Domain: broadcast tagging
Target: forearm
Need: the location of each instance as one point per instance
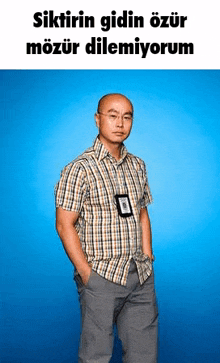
(72, 246)
(146, 232)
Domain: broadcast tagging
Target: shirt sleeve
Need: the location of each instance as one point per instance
(70, 191)
(147, 196)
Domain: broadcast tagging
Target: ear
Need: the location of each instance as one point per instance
(97, 119)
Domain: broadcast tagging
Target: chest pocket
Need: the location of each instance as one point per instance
(136, 188)
(100, 193)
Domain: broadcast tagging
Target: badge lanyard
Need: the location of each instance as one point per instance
(122, 202)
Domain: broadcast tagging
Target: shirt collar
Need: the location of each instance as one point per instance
(101, 152)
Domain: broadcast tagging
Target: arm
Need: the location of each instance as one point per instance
(65, 225)
(146, 232)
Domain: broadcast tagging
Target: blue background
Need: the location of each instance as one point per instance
(47, 119)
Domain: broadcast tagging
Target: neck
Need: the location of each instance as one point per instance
(113, 148)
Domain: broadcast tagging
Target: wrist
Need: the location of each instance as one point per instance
(150, 256)
(85, 275)
(84, 270)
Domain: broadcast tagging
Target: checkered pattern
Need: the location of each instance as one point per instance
(88, 186)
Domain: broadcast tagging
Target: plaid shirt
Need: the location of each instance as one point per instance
(88, 186)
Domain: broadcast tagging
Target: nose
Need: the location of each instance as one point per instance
(120, 121)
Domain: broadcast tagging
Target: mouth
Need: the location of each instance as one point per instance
(118, 133)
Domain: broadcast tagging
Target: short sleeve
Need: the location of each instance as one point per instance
(71, 189)
(147, 196)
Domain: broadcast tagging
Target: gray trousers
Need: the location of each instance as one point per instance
(132, 308)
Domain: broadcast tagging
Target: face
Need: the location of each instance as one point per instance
(114, 119)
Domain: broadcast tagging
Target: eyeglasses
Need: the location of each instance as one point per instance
(114, 116)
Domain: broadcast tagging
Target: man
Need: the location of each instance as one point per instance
(104, 226)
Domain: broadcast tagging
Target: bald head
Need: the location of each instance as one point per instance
(111, 97)
(114, 119)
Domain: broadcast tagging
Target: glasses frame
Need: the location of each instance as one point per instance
(116, 117)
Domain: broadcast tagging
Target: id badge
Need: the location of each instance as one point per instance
(123, 205)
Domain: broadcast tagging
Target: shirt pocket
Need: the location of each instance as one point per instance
(100, 193)
(136, 191)
(99, 215)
